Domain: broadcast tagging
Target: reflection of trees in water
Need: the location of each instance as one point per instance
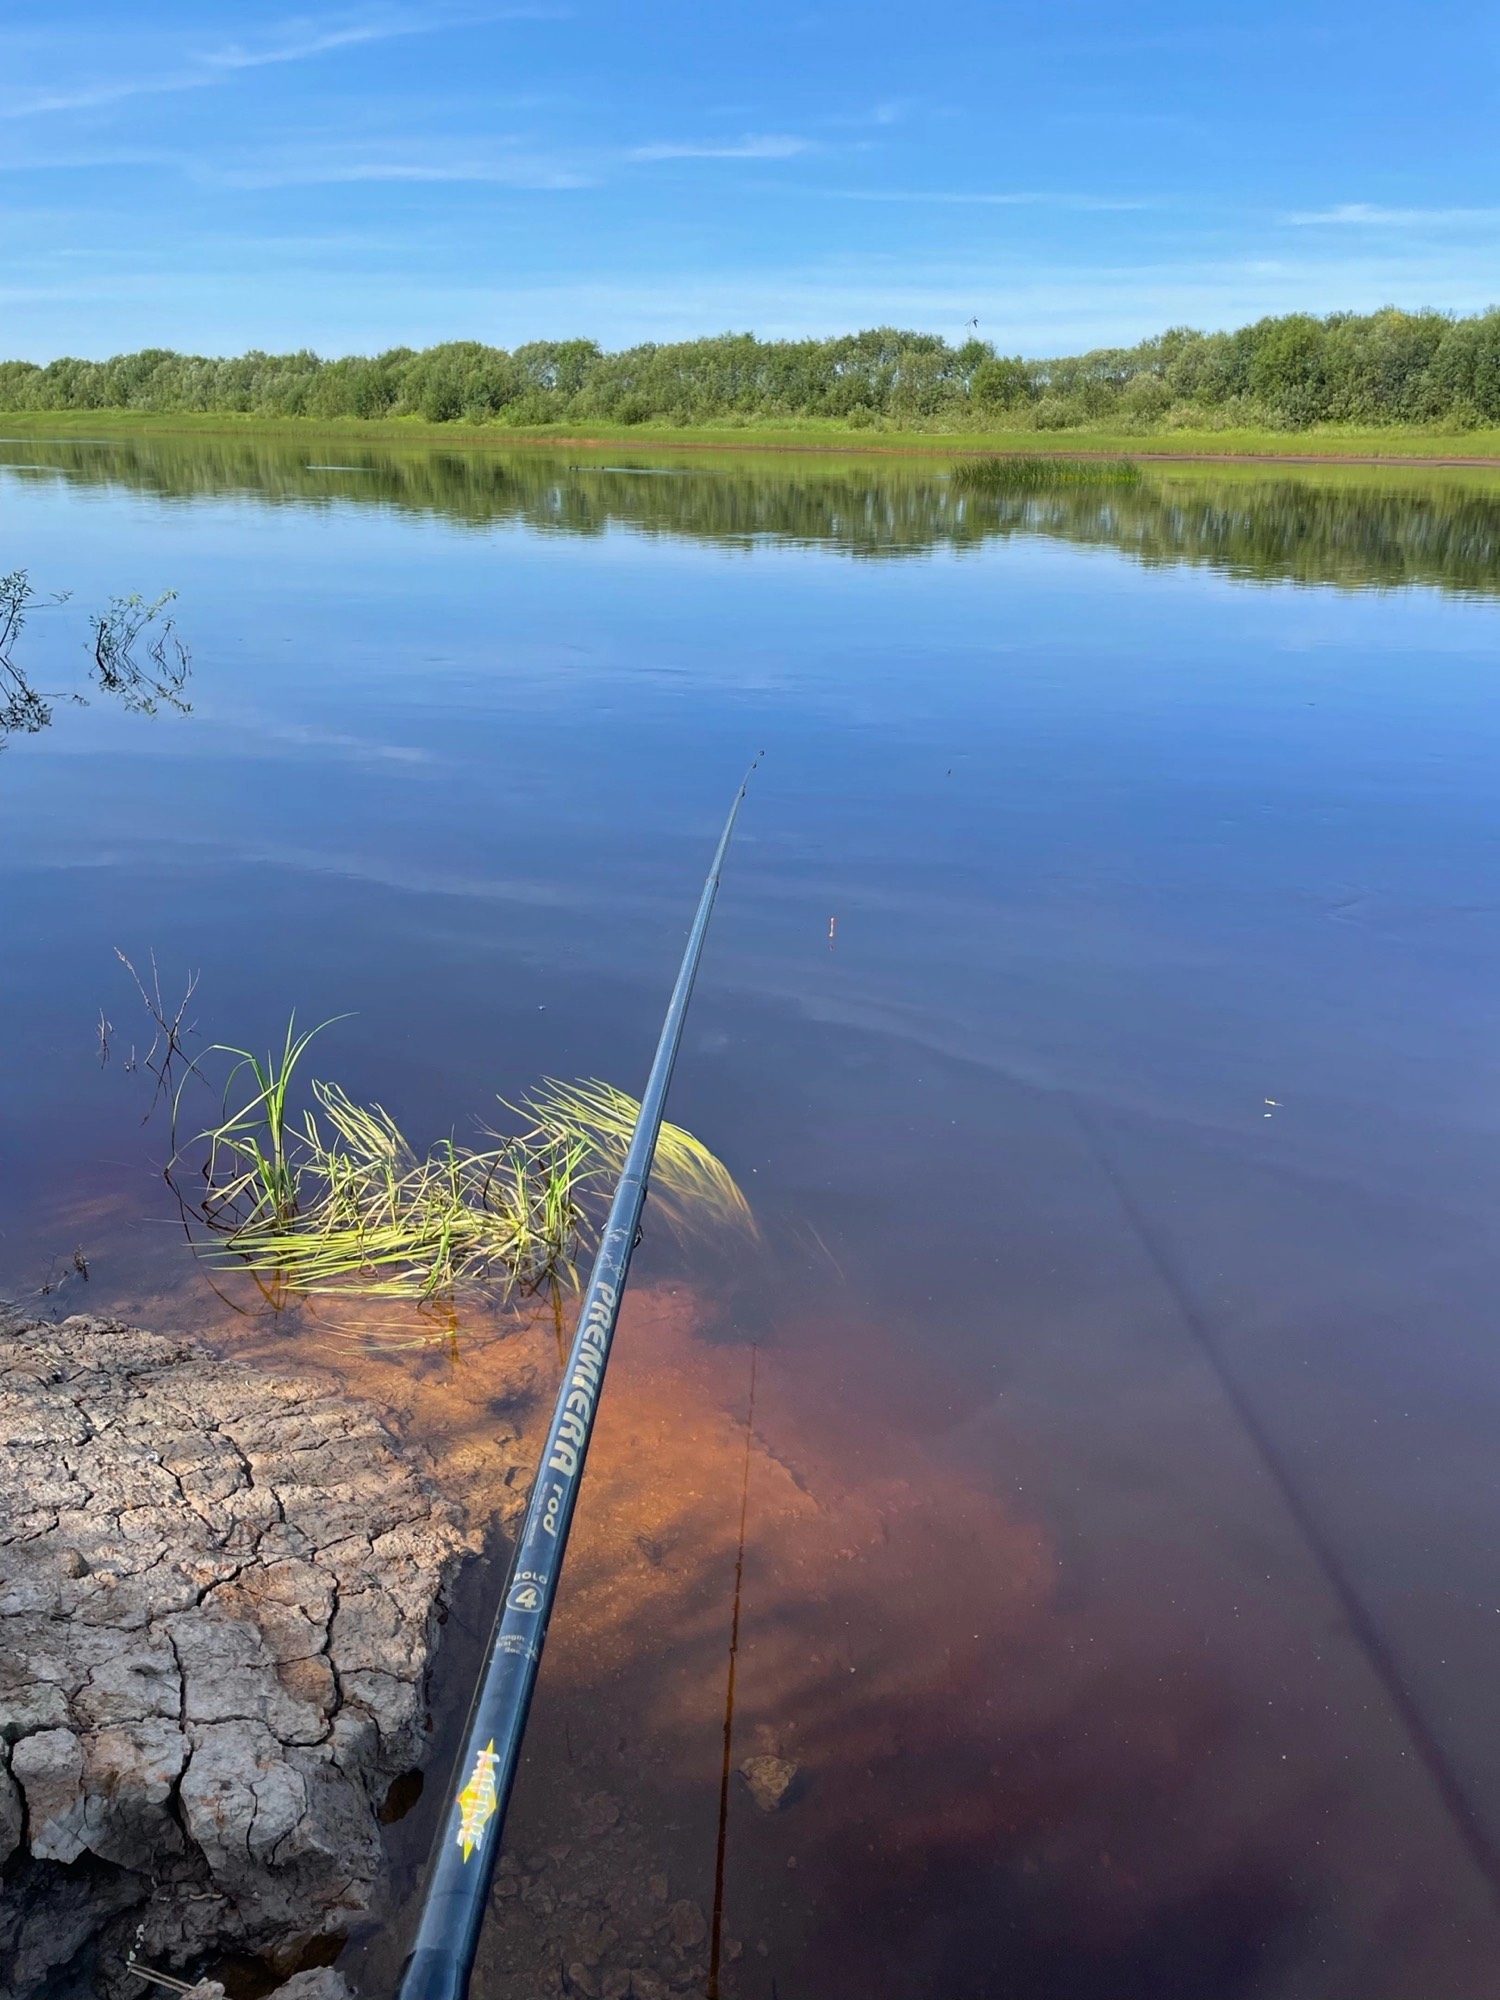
(1330, 528)
(1289, 530)
(118, 636)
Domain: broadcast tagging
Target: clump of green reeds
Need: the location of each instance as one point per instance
(1036, 473)
(338, 1200)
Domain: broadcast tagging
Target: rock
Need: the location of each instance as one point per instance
(219, 1591)
(688, 1924)
(646, 1986)
(48, 1766)
(322, 1984)
(588, 1946)
(131, 1770)
(10, 1812)
(598, 1815)
(768, 1779)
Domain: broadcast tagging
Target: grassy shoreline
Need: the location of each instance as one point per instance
(1386, 446)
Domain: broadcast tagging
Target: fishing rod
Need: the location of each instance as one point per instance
(468, 1844)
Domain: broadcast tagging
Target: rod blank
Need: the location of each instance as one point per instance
(463, 1864)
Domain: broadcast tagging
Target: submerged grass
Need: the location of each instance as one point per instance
(340, 1201)
(1036, 474)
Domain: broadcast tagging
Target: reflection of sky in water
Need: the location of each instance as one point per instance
(1117, 854)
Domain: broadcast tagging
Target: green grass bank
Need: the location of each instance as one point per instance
(1331, 443)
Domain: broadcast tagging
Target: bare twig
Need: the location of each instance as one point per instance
(118, 670)
(22, 708)
(166, 1048)
(142, 685)
(165, 1980)
(59, 1273)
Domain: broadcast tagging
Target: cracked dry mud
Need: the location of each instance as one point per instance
(218, 1594)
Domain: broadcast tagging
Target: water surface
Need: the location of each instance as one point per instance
(1120, 1565)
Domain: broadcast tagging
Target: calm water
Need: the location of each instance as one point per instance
(1121, 1565)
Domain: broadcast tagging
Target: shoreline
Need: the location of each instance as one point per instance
(1358, 448)
(217, 1655)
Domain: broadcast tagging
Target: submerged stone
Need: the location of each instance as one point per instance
(768, 1779)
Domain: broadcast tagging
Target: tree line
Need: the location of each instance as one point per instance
(1386, 367)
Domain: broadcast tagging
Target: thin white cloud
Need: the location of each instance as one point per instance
(763, 146)
(1021, 199)
(888, 111)
(306, 36)
(82, 162)
(37, 103)
(298, 39)
(482, 161)
(1368, 215)
(306, 40)
(490, 165)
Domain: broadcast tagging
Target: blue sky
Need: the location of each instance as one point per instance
(1068, 174)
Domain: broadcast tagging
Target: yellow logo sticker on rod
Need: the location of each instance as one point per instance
(476, 1802)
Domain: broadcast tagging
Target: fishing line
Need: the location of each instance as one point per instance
(714, 1950)
(1367, 1635)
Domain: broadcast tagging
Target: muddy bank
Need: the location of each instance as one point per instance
(219, 1594)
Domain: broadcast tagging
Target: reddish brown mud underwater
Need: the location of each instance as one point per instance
(1012, 1776)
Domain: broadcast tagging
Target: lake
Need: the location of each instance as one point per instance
(1100, 1014)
